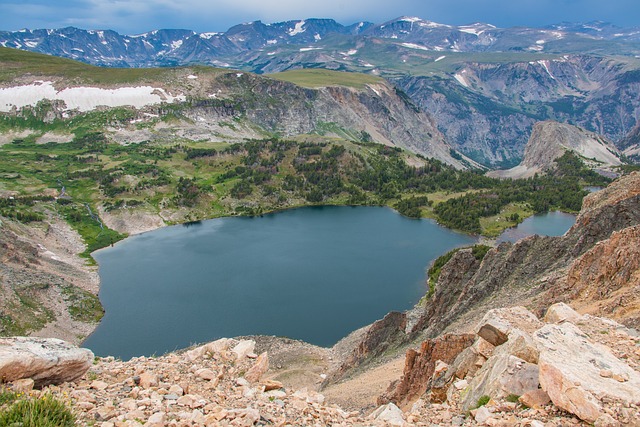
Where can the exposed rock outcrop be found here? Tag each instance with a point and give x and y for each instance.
(550, 140)
(39, 264)
(44, 360)
(531, 272)
(606, 279)
(572, 372)
(594, 376)
(420, 367)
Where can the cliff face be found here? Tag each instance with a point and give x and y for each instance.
(550, 140)
(532, 267)
(537, 272)
(488, 111)
(377, 109)
(207, 104)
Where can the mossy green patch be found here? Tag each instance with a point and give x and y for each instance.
(83, 306)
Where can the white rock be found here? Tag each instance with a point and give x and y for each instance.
(156, 420)
(244, 348)
(206, 374)
(389, 414)
(502, 375)
(460, 384)
(570, 366)
(561, 312)
(45, 360)
(482, 414)
(217, 346)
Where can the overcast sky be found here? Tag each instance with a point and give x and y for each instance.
(136, 16)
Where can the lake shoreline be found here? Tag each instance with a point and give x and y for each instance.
(339, 218)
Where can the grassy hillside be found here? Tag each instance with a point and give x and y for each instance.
(315, 78)
(17, 63)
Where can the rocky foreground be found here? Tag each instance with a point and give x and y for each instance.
(567, 369)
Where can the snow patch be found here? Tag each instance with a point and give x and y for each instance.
(460, 78)
(272, 41)
(192, 77)
(430, 24)
(31, 43)
(83, 98)
(366, 64)
(208, 36)
(540, 42)
(176, 44)
(317, 37)
(307, 49)
(298, 28)
(440, 58)
(351, 52)
(471, 30)
(411, 19)
(414, 46)
(546, 68)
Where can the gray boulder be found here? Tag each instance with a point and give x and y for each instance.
(44, 360)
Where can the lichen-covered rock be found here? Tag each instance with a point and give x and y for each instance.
(570, 366)
(502, 375)
(45, 360)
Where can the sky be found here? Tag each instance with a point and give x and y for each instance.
(137, 16)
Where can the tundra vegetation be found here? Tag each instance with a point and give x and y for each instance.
(205, 180)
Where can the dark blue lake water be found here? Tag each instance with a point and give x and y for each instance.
(546, 224)
(314, 274)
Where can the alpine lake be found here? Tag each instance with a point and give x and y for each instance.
(314, 273)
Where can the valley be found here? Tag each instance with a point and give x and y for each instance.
(474, 127)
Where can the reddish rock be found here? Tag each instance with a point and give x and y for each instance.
(258, 369)
(420, 366)
(535, 398)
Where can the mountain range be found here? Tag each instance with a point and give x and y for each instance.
(178, 46)
(484, 86)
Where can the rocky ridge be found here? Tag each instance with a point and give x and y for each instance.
(550, 140)
(518, 361)
(206, 104)
(533, 272)
(585, 365)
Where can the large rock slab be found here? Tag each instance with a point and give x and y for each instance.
(561, 312)
(502, 375)
(571, 372)
(45, 360)
(498, 323)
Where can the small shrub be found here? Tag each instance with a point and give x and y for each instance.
(483, 400)
(7, 396)
(41, 412)
(513, 398)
